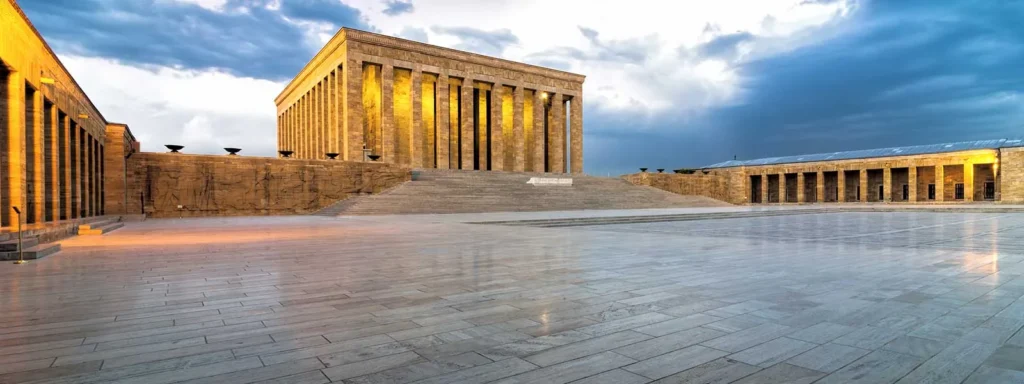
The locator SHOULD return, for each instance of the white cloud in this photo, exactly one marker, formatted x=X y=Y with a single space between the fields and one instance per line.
x=213 y=5
x=663 y=81
x=203 y=110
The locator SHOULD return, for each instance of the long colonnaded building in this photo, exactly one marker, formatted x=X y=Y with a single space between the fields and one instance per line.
x=55 y=146
x=973 y=171
x=369 y=96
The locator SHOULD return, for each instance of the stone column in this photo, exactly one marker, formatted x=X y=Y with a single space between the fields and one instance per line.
x=66 y=180
x=539 y=117
x=97 y=184
x=841 y=186
x=887 y=188
x=968 y=181
x=87 y=173
x=940 y=182
x=782 y=187
x=352 y=124
x=518 y=135
x=801 y=186
x=37 y=163
x=338 y=100
x=556 y=135
x=467 y=123
x=820 y=188
x=912 y=184
x=576 y=133
x=13 y=153
x=53 y=164
x=864 y=185
x=496 y=141
x=300 y=134
x=389 y=134
x=764 y=188
x=418 y=133
x=443 y=143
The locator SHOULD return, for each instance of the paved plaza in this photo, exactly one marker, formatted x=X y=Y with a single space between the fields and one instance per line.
x=870 y=297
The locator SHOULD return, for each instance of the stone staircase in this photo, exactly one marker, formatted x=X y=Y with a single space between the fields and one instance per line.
x=39 y=241
x=448 y=191
x=100 y=227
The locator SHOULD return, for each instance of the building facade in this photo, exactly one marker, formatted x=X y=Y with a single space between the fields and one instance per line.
x=366 y=96
x=977 y=171
x=52 y=137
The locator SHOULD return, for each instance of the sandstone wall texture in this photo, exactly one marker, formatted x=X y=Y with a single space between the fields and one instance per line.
x=206 y=185
x=719 y=184
x=1012 y=172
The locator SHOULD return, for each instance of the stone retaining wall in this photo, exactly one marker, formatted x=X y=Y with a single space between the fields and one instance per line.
x=211 y=185
x=719 y=185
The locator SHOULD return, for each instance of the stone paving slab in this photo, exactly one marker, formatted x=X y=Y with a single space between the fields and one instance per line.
x=873 y=297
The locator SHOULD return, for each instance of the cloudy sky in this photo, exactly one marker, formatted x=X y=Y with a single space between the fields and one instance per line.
x=669 y=83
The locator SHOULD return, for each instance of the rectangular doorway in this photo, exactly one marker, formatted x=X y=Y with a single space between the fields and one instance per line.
x=990 y=190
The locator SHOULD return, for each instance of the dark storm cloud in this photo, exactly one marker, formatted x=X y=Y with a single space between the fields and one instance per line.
x=724 y=47
x=899 y=73
x=244 y=38
x=475 y=40
x=397 y=7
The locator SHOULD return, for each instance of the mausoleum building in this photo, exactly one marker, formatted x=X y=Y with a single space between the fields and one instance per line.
x=367 y=96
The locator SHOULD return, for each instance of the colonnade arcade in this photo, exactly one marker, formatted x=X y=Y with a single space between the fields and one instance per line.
x=912 y=183
x=434 y=120
x=51 y=165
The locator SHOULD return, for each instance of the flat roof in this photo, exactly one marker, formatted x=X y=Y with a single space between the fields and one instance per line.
x=879 y=152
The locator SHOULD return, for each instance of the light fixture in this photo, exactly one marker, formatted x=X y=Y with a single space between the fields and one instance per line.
x=544 y=95
x=47 y=80
x=83 y=116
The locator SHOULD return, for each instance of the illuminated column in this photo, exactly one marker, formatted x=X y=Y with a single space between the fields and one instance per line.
x=801 y=197
x=912 y=184
x=402 y=115
x=556 y=135
x=97 y=179
x=87 y=173
x=864 y=185
x=34 y=148
x=518 y=135
x=496 y=141
x=940 y=182
x=887 y=188
x=13 y=153
x=539 y=118
x=330 y=91
x=76 y=192
x=968 y=181
x=316 y=134
x=443 y=143
x=841 y=185
x=467 y=123
x=53 y=190
x=352 y=124
x=482 y=137
x=67 y=183
x=389 y=134
x=337 y=111
x=419 y=137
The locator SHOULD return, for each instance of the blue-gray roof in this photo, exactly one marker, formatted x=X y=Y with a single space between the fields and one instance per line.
x=881 y=152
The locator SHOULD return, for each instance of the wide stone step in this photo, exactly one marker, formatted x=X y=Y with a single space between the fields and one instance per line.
x=33 y=253
x=100 y=229
x=12 y=245
x=447 y=191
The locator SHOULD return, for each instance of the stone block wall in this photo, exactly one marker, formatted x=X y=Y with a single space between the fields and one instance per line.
x=719 y=185
x=208 y=185
x=1011 y=169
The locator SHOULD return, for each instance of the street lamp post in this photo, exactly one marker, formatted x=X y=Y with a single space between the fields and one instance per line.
x=21 y=251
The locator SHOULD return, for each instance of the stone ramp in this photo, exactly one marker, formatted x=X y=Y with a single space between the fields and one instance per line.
x=445 y=191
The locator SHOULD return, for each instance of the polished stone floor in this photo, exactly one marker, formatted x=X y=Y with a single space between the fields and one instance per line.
x=875 y=297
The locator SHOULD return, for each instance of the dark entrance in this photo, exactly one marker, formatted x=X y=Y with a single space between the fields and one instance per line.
x=755 y=189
